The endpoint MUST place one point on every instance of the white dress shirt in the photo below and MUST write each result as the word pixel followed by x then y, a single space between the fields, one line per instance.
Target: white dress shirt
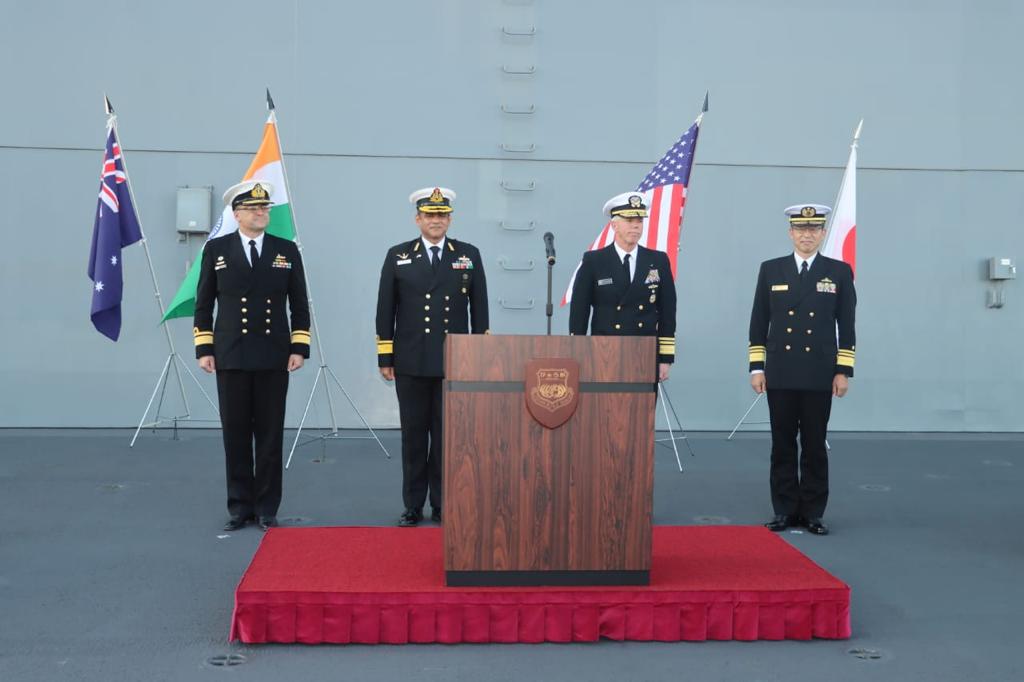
pixel 430 254
pixel 632 259
pixel 245 245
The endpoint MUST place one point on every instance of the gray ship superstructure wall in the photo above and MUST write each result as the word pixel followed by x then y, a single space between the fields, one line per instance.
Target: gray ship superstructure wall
pixel 535 113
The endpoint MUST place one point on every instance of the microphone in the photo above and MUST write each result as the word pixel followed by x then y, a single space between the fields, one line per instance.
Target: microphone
pixel 549 247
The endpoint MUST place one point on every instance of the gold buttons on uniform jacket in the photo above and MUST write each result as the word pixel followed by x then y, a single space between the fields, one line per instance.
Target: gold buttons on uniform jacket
pixel 807 348
pixel 245 321
pixel 792 313
pixel 447 297
pixel 809 331
pixel 426 307
pixel 640 324
pixel 446 322
pixel 618 307
pixel 446 309
pixel 427 330
pixel 428 295
pixel 812 313
pixel 787 347
pixel 618 326
pixel 245 310
pixel 244 299
pixel 268 331
pixel 463 289
pixel 426 319
pixel 268 301
pixel 245 331
pixel 641 306
pixel 268 311
pixel 789 330
pixel 268 320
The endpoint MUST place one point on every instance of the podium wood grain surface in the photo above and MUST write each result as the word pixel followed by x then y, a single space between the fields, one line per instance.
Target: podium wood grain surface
pixel 523 500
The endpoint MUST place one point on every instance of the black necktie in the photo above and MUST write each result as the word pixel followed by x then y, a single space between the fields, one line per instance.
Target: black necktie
pixel 254 255
pixel 625 268
pixel 803 271
pixel 436 258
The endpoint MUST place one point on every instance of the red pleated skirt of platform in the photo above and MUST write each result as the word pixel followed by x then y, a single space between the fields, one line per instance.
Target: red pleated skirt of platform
pixel 364 585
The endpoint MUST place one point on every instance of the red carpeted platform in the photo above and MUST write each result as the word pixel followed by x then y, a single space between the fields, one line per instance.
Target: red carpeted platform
pixel 386 586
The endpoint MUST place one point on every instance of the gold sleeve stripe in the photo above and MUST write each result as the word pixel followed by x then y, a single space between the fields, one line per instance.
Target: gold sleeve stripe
pixel 666 338
pixel 300 337
pixel 385 347
pixel 844 361
pixel 758 356
pixel 758 348
pixel 204 338
pixel 843 351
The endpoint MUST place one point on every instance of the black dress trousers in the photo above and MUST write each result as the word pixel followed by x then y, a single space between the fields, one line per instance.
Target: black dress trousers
pixel 252 405
pixel 799 483
pixel 420 405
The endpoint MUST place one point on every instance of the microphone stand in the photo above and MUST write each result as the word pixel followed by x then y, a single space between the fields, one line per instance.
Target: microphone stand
pixel 549 310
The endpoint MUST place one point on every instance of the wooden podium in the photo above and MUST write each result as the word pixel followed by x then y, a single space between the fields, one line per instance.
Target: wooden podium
pixel 525 504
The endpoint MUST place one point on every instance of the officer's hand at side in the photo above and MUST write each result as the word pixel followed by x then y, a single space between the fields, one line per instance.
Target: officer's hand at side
pixel 663 368
pixel 757 382
pixel 388 373
pixel 840 384
pixel 295 362
pixel 208 364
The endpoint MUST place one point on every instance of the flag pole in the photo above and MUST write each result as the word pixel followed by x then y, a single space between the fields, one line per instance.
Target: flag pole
pixel 323 369
pixel 173 359
pixel 672 438
pixel 842 183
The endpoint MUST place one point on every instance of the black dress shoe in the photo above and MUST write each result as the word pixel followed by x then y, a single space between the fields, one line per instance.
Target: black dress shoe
pixel 410 517
pixel 780 522
pixel 267 522
pixel 237 523
pixel 435 515
pixel 817 527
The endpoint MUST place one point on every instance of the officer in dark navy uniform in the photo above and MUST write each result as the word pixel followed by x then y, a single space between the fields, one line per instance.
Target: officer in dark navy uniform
pixel 626 289
pixel 255 279
pixel 802 345
pixel 430 287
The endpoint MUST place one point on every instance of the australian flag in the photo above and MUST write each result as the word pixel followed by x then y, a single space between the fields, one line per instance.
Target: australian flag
pixel 116 226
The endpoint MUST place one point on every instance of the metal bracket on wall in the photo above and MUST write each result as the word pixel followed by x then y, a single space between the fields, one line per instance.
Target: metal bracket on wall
pixel 518 149
pixel 528 70
pixel 518 187
pixel 511 305
pixel 506 264
pixel 529 109
pixel 529 31
pixel 511 227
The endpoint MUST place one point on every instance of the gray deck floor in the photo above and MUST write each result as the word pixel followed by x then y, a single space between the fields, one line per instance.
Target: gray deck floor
pixel 111 567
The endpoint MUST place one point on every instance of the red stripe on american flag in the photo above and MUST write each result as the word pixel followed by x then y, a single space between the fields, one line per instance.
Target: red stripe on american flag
pixel 675 224
pixel 654 218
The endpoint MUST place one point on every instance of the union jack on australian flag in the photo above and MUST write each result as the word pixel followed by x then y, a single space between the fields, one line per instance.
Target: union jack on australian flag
pixel 116 226
pixel 664 190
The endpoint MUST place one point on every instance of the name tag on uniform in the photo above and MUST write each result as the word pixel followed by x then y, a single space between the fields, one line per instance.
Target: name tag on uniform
pixel 602 282
pixel 780 287
pixel 404 261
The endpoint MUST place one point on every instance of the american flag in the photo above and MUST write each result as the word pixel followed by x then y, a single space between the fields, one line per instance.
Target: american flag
pixel 115 227
pixel 664 189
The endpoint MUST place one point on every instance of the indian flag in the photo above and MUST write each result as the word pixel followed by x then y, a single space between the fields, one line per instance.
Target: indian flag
pixel 268 166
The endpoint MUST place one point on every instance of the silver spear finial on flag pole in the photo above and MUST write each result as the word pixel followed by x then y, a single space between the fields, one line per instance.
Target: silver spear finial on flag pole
pixel 270 101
